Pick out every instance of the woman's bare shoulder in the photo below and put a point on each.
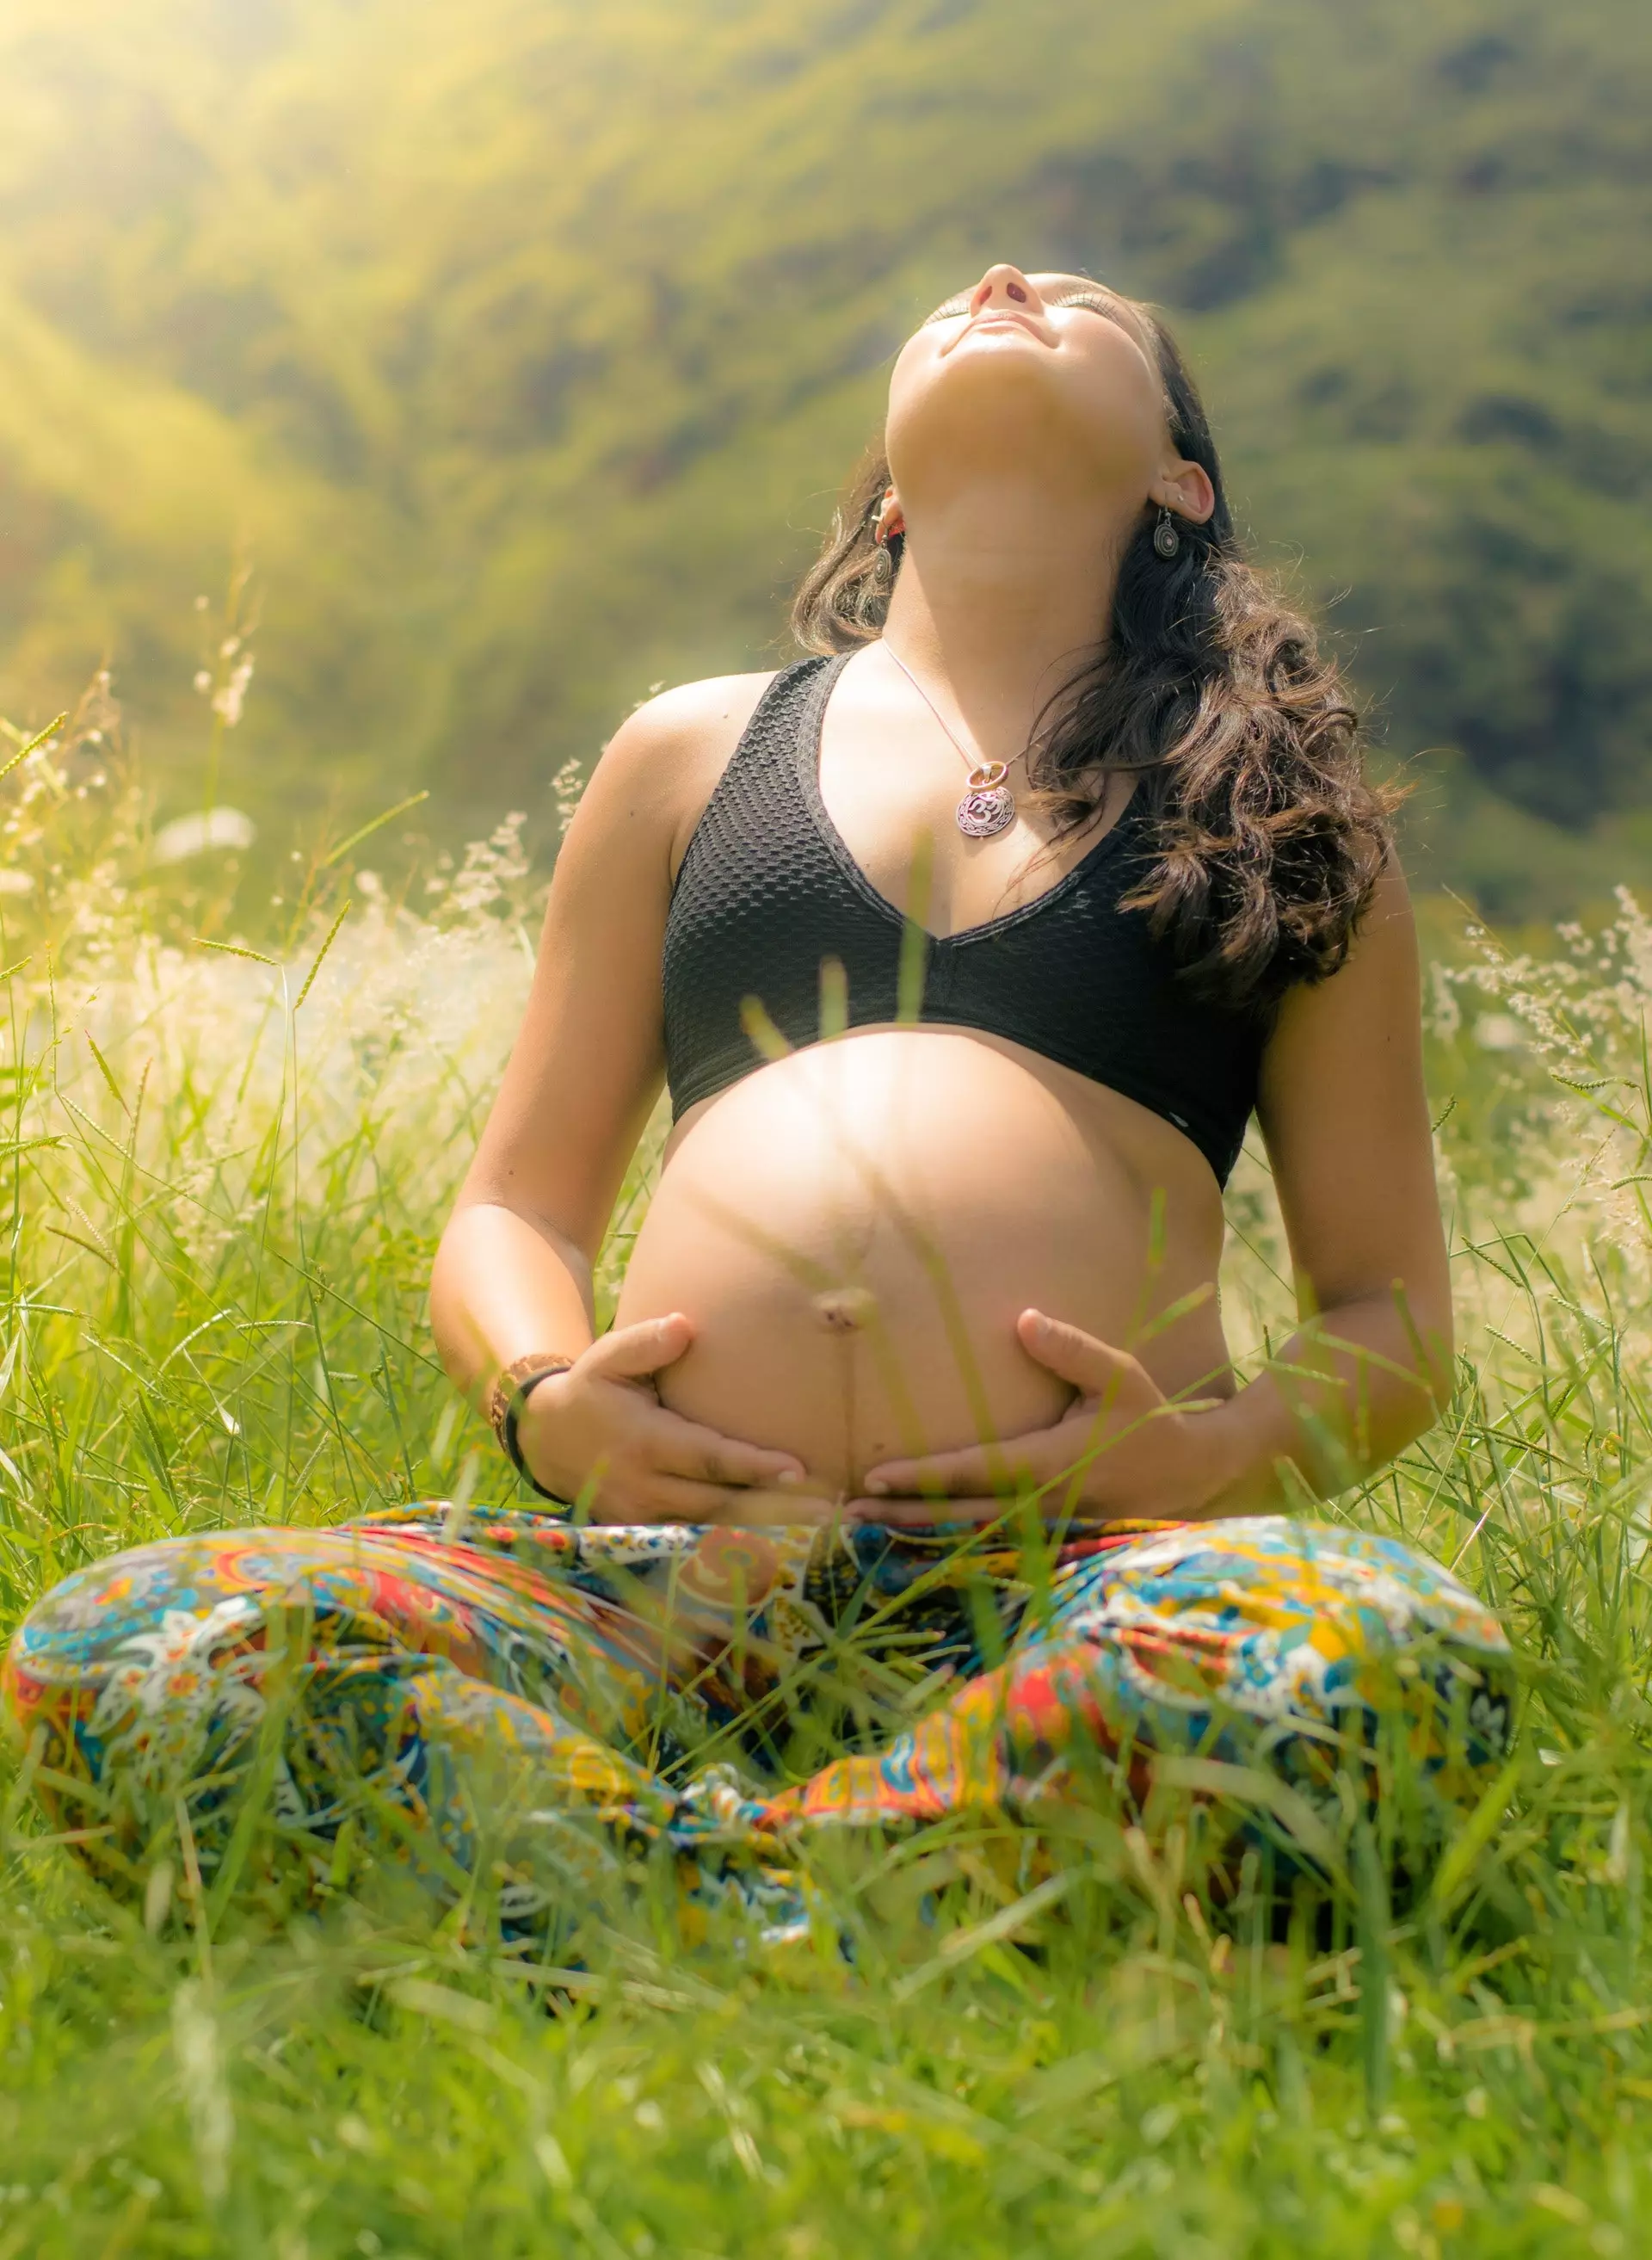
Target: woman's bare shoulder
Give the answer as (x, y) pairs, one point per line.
(663, 763)
(676, 733)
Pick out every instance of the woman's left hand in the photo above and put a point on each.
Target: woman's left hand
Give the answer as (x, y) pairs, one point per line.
(1124, 1451)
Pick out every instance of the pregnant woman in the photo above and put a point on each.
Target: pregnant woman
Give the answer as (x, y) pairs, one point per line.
(967, 948)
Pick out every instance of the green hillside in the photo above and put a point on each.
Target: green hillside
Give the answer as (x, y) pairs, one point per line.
(522, 347)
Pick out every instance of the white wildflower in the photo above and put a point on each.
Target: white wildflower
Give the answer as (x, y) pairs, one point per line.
(493, 869)
(191, 835)
(229, 699)
(566, 786)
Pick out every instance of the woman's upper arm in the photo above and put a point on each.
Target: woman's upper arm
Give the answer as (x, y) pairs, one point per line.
(588, 1060)
(1345, 1115)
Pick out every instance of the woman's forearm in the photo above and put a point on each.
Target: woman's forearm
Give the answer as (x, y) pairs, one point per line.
(503, 1286)
(1346, 1394)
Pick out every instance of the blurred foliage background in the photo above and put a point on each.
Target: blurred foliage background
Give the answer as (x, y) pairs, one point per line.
(521, 348)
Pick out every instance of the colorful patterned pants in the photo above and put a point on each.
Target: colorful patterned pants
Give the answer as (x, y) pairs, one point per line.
(505, 1698)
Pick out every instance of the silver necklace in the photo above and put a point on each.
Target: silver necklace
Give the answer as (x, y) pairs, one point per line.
(988, 807)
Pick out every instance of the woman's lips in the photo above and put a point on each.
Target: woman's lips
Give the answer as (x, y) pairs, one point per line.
(998, 321)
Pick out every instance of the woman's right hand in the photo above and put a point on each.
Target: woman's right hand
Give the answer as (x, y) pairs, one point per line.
(599, 1434)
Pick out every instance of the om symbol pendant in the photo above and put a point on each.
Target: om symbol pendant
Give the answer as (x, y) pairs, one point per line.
(989, 806)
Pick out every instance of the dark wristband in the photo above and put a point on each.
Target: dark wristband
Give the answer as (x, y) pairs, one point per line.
(510, 1392)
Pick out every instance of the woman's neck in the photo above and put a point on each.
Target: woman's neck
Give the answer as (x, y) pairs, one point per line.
(999, 599)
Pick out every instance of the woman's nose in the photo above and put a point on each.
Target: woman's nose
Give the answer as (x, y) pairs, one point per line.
(1005, 285)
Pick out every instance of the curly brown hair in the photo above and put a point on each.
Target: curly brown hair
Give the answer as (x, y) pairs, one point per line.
(1269, 837)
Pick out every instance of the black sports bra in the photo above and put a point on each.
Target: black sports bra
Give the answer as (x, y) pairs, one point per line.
(769, 890)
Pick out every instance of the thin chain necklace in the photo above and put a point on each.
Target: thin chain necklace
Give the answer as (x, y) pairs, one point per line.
(989, 805)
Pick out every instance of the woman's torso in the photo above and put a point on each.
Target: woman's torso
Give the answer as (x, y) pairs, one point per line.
(855, 1227)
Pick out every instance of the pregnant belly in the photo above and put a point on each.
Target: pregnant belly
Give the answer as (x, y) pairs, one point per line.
(853, 1230)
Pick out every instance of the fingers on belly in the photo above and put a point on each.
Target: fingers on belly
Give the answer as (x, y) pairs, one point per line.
(844, 1380)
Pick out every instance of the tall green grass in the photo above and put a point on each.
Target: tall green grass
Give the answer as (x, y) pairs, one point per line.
(225, 1161)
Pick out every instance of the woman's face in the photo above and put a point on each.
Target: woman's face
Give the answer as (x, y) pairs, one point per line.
(1042, 376)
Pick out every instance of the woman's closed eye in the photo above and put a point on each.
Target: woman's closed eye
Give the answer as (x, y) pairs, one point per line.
(1096, 300)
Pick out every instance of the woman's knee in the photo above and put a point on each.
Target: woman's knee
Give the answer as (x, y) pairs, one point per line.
(1266, 1571)
(1293, 1627)
(146, 1651)
(138, 1601)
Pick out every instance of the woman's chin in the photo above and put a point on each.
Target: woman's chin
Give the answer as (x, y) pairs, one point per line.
(1019, 436)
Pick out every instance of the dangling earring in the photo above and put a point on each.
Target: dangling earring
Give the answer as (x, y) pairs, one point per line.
(1165, 540)
(887, 528)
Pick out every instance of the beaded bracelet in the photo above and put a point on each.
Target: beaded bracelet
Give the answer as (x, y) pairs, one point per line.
(509, 1393)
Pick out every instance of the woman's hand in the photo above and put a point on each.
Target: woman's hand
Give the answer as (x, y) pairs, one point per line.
(599, 1434)
(1123, 1451)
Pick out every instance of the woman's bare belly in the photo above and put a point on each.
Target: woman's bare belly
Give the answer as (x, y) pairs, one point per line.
(853, 1230)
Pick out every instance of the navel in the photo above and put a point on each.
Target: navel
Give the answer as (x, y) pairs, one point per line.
(845, 1310)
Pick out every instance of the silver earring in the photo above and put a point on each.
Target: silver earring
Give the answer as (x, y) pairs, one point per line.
(1165, 540)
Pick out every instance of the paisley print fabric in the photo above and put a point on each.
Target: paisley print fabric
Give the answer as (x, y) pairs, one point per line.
(506, 1698)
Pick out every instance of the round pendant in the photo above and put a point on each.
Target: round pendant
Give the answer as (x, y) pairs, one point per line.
(989, 806)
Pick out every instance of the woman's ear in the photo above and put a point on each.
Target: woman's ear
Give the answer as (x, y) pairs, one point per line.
(891, 520)
(1185, 488)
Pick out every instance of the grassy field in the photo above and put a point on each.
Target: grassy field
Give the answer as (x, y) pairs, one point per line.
(223, 1178)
